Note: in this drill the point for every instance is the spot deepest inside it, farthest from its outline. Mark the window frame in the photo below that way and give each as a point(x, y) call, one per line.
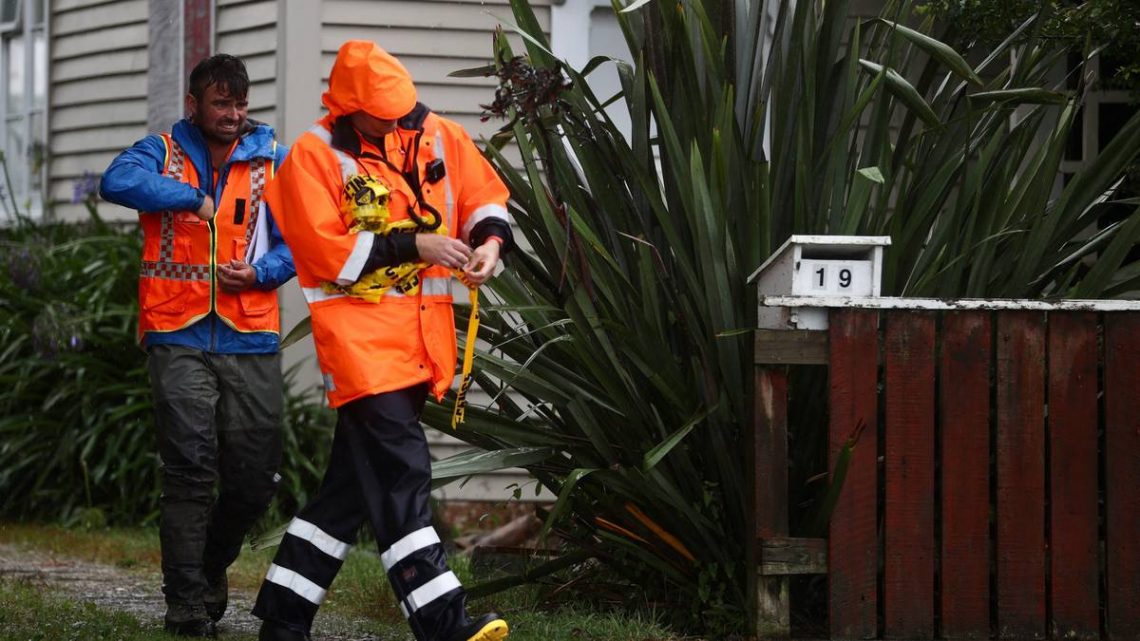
point(29, 201)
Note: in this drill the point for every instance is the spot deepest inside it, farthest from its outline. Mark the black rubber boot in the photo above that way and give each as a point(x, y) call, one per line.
point(489, 627)
point(273, 631)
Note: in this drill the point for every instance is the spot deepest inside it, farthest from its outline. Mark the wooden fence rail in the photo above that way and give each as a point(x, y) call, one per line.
point(994, 488)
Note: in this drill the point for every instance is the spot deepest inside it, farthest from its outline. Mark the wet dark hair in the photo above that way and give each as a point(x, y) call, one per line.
point(224, 70)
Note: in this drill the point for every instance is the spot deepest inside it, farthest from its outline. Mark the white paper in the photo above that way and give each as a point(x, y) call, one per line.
point(259, 241)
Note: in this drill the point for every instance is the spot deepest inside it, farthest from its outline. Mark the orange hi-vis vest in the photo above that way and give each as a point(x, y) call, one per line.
point(408, 335)
point(178, 277)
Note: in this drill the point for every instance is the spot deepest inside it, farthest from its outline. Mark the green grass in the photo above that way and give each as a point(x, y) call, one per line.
point(29, 614)
point(361, 592)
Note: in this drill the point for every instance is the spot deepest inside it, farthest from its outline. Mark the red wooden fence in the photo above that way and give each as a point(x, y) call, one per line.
point(994, 491)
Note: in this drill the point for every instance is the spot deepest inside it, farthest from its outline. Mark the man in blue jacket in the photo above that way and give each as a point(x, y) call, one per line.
point(208, 319)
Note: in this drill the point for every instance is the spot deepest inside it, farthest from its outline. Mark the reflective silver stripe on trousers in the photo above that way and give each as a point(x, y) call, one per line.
point(298, 584)
point(492, 210)
point(320, 539)
point(418, 540)
point(431, 591)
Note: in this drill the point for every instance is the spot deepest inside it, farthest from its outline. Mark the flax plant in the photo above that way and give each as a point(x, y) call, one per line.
point(617, 355)
point(76, 411)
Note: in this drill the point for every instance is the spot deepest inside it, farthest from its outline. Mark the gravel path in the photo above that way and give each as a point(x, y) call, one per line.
point(140, 594)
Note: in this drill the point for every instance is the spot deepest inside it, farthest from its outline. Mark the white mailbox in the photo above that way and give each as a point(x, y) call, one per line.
point(818, 266)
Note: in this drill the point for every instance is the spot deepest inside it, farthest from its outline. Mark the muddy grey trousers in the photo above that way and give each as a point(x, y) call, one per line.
point(219, 426)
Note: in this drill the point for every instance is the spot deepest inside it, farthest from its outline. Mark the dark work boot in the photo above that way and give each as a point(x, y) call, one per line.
point(489, 627)
point(189, 621)
point(273, 631)
point(217, 595)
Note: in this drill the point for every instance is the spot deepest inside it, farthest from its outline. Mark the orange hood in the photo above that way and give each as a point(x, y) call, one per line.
point(367, 78)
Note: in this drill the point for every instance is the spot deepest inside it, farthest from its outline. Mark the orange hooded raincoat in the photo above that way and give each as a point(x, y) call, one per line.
point(363, 347)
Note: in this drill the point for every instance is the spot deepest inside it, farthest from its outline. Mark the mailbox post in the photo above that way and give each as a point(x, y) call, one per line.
point(849, 266)
point(804, 266)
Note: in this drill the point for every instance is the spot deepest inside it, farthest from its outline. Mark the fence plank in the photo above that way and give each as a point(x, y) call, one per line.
point(770, 495)
point(1021, 475)
point(853, 544)
point(1122, 474)
point(964, 415)
point(908, 573)
point(1073, 475)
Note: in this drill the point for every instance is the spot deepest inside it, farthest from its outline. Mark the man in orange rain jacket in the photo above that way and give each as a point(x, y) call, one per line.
point(208, 320)
point(379, 202)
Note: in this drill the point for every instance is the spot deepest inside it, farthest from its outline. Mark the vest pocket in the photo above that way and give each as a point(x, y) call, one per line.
point(162, 296)
point(240, 246)
point(256, 302)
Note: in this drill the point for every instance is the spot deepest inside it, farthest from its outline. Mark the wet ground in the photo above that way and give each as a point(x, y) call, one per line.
point(140, 594)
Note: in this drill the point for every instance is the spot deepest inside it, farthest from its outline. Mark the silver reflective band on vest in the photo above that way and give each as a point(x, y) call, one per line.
point(418, 540)
point(316, 295)
point(347, 163)
point(174, 271)
point(298, 584)
point(258, 171)
point(320, 539)
point(431, 591)
point(436, 286)
point(439, 153)
point(174, 169)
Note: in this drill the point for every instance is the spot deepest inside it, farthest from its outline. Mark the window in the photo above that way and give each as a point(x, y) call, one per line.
point(23, 79)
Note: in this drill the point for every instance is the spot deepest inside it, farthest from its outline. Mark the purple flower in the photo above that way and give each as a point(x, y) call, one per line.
point(85, 189)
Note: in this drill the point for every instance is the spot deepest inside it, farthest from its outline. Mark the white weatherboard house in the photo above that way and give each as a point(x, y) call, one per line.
point(84, 79)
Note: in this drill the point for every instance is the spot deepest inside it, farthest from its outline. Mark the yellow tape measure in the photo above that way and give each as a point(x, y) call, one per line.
point(465, 380)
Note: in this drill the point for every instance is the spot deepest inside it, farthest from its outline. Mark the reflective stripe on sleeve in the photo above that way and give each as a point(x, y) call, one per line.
point(421, 538)
point(350, 273)
point(320, 539)
point(481, 214)
point(431, 591)
point(296, 583)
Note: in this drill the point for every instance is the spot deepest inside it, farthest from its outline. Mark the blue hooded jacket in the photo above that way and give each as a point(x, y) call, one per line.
point(134, 179)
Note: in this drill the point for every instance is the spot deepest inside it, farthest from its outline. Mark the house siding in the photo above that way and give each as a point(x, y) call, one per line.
point(97, 93)
point(248, 29)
